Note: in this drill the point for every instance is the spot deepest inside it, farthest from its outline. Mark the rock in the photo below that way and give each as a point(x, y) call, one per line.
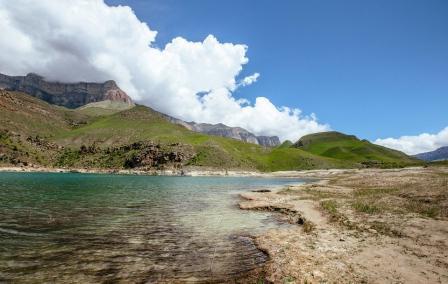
point(223, 130)
point(70, 95)
point(268, 141)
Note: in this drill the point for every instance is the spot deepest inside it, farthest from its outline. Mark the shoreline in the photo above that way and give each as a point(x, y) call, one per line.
point(168, 172)
point(197, 172)
point(189, 172)
point(335, 240)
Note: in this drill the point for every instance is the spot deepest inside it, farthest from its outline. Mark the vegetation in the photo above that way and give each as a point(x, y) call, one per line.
point(349, 148)
point(61, 133)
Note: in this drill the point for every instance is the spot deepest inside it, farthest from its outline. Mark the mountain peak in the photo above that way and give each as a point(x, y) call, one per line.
point(70, 95)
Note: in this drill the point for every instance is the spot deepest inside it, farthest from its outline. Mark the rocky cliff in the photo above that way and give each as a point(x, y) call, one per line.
point(70, 95)
point(227, 131)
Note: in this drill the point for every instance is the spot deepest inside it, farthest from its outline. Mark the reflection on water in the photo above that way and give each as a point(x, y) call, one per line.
point(95, 228)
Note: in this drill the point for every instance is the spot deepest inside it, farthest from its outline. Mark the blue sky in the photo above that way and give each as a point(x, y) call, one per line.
point(371, 68)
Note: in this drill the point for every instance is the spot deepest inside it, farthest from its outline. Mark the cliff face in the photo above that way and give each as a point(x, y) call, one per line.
point(268, 141)
point(74, 95)
point(70, 95)
point(229, 132)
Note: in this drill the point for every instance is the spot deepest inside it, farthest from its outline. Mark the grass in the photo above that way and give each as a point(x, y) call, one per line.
point(142, 123)
point(400, 193)
point(74, 128)
point(365, 207)
point(289, 280)
point(330, 206)
point(363, 192)
point(347, 147)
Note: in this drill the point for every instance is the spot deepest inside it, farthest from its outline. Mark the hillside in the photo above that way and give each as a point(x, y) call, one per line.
point(35, 132)
point(349, 148)
point(440, 154)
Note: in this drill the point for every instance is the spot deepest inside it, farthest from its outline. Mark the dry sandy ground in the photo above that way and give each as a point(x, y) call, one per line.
point(358, 226)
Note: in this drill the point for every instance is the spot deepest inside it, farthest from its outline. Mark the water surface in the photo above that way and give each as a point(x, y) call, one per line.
point(88, 228)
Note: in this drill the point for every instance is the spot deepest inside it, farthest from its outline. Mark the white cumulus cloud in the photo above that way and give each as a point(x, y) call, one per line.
point(87, 40)
point(411, 145)
point(249, 80)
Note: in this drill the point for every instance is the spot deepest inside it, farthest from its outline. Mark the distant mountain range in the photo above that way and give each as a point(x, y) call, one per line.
point(436, 155)
point(75, 95)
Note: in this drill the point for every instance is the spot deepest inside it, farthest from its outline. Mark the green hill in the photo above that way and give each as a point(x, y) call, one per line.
point(35, 132)
point(349, 148)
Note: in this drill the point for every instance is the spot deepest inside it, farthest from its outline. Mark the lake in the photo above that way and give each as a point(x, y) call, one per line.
point(90, 228)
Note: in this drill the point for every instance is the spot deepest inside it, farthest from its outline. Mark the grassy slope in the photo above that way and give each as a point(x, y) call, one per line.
point(141, 123)
point(347, 147)
point(103, 108)
point(24, 114)
point(24, 117)
point(29, 116)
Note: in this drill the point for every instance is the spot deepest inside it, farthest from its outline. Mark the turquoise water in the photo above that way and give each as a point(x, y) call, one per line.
point(85, 228)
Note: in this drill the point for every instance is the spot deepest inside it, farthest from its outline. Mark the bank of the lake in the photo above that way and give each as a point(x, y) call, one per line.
point(358, 226)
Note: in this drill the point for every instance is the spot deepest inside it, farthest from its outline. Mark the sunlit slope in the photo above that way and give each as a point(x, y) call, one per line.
point(28, 115)
point(142, 123)
point(349, 148)
point(27, 125)
point(34, 131)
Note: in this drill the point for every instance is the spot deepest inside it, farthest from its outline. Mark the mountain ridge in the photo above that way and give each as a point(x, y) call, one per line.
point(70, 95)
point(36, 133)
point(439, 154)
point(93, 97)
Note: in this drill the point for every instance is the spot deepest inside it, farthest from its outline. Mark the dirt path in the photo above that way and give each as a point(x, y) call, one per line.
point(359, 226)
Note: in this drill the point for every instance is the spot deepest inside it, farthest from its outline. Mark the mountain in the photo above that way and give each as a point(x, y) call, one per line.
point(70, 95)
point(337, 145)
point(107, 98)
point(222, 130)
point(112, 134)
point(436, 155)
point(33, 132)
point(233, 132)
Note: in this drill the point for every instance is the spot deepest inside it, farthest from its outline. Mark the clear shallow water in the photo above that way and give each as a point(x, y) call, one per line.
point(96, 228)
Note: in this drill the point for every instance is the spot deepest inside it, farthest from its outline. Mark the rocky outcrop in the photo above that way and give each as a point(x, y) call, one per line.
point(70, 95)
point(227, 131)
point(268, 141)
point(224, 131)
point(235, 133)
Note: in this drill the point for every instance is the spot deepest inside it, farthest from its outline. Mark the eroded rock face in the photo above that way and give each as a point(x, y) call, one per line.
point(227, 131)
point(268, 141)
point(151, 155)
point(70, 95)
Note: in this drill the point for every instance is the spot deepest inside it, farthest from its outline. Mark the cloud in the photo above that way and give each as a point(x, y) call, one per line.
point(417, 144)
point(249, 80)
point(87, 40)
